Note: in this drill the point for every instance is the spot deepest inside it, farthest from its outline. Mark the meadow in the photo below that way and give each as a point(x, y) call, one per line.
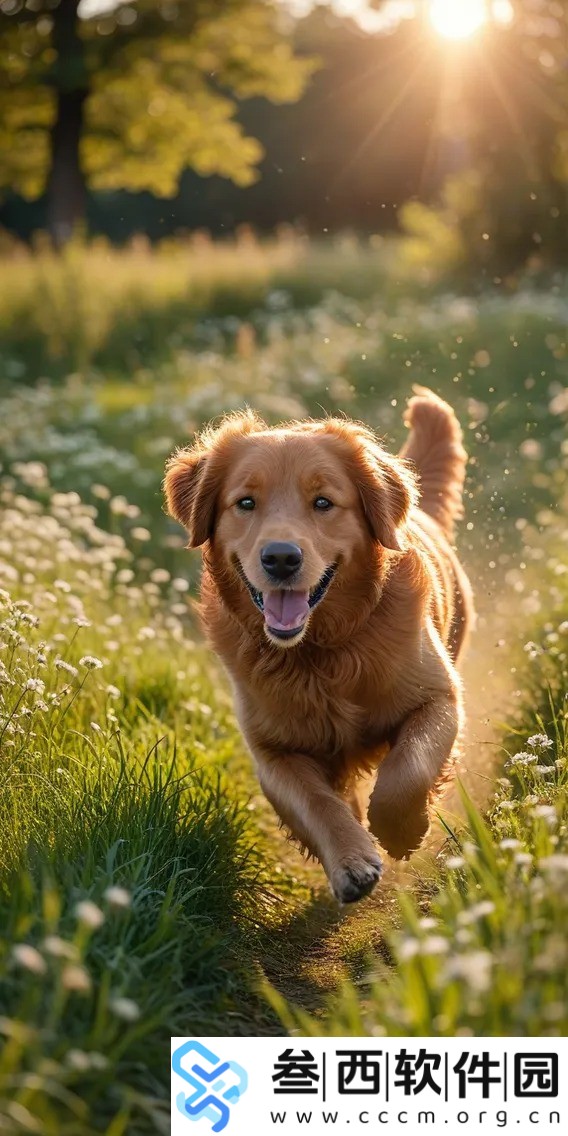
point(144, 888)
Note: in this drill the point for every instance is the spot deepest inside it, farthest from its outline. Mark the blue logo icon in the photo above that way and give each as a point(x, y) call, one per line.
point(214, 1090)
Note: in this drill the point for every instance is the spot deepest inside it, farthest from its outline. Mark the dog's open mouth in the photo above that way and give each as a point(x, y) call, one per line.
point(286, 610)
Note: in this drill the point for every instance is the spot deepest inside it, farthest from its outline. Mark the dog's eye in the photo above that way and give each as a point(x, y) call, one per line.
point(323, 504)
point(247, 504)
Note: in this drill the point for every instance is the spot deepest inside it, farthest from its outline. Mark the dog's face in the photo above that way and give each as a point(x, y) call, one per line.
point(289, 512)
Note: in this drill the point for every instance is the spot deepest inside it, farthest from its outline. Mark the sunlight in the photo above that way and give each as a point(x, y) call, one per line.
point(457, 19)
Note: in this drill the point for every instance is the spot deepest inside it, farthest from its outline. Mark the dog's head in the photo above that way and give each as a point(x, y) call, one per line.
point(290, 513)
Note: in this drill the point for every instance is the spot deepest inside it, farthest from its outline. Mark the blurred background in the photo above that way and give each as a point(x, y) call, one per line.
point(305, 206)
point(156, 118)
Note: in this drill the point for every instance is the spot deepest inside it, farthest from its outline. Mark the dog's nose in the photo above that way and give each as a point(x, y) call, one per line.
point(280, 559)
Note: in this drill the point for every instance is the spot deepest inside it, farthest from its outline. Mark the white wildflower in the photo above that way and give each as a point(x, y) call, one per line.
point(36, 685)
point(480, 910)
point(30, 958)
point(407, 949)
point(118, 896)
point(146, 633)
point(180, 585)
point(427, 923)
point(125, 576)
point(540, 740)
point(76, 978)
point(160, 575)
point(59, 948)
point(434, 945)
point(125, 1008)
point(473, 968)
point(90, 662)
point(119, 506)
point(89, 914)
point(522, 758)
point(555, 863)
point(545, 812)
point(78, 1059)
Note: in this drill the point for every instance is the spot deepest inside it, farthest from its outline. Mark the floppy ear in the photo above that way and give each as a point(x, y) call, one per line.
point(388, 489)
point(187, 499)
point(194, 475)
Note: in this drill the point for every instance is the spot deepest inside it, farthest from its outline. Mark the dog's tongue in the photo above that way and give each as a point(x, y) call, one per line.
point(285, 610)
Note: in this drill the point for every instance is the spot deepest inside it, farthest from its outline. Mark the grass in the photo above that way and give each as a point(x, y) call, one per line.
point(105, 787)
point(486, 956)
point(116, 311)
point(144, 888)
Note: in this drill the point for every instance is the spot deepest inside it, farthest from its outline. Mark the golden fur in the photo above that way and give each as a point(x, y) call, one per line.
point(369, 683)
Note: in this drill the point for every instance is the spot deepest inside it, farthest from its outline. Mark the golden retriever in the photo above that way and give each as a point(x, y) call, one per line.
point(332, 594)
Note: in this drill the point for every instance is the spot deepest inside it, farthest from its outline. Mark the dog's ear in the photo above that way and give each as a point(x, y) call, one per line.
point(386, 485)
point(388, 490)
point(194, 475)
point(185, 499)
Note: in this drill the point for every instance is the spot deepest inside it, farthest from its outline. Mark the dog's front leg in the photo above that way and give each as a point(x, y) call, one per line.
point(420, 757)
point(299, 791)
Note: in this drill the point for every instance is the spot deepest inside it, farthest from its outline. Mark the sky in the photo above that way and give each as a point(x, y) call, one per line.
point(391, 13)
point(454, 18)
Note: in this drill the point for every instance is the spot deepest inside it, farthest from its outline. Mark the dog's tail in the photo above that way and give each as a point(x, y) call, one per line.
point(435, 447)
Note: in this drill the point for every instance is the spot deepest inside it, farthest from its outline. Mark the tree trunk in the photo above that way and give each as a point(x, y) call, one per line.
point(66, 188)
point(66, 192)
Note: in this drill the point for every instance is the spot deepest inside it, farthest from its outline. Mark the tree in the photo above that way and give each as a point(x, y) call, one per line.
point(131, 96)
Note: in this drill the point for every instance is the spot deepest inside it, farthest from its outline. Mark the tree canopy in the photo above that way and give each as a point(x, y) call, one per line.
point(131, 96)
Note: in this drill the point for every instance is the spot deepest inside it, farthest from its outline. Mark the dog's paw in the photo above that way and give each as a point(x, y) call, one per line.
point(399, 836)
point(356, 877)
point(403, 848)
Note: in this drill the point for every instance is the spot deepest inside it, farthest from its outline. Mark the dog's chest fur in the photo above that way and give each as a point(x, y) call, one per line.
point(329, 702)
point(325, 703)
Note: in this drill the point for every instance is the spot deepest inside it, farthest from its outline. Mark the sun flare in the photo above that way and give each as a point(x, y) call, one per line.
point(457, 19)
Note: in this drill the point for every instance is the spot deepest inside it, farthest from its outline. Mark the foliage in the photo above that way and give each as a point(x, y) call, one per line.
point(433, 247)
point(162, 87)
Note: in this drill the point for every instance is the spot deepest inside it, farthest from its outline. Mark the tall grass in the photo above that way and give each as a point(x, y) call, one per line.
point(125, 863)
point(98, 308)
